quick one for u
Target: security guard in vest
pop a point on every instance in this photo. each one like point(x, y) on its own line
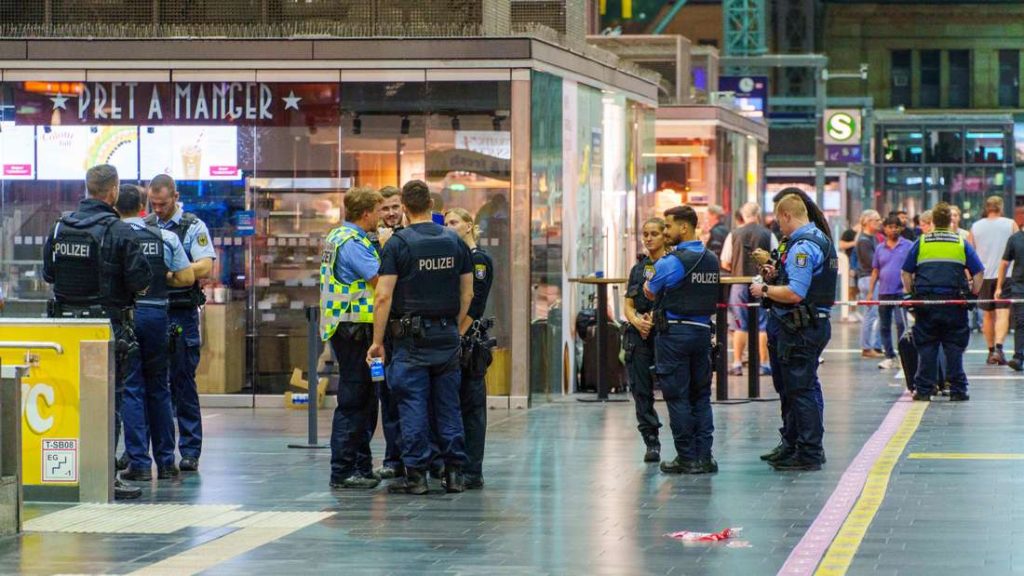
point(147, 410)
point(684, 289)
point(423, 295)
point(97, 268)
point(348, 274)
point(800, 298)
point(639, 337)
point(183, 308)
point(934, 270)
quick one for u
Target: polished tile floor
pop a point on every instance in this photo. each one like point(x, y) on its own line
point(567, 493)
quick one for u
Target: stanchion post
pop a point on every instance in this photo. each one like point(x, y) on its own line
point(313, 356)
point(602, 342)
point(753, 313)
point(721, 339)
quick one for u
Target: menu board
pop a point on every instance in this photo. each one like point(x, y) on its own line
point(189, 152)
point(66, 152)
point(17, 152)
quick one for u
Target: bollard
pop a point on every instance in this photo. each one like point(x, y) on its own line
point(721, 366)
point(753, 350)
point(313, 336)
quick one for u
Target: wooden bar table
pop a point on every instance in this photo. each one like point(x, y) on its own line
point(602, 335)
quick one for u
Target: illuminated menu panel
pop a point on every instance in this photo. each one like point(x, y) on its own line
point(189, 152)
point(17, 152)
point(66, 152)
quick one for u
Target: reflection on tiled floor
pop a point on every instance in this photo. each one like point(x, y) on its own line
point(567, 493)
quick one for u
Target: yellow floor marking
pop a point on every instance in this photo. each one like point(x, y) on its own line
point(843, 548)
point(963, 456)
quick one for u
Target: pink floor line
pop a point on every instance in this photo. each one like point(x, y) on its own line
point(804, 558)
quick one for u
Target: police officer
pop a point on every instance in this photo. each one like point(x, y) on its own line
point(390, 222)
point(96, 267)
point(934, 270)
point(183, 309)
point(147, 410)
point(348, 274)
point(476, 349)
point(639, 338)
point(684, 289)
point(423, 294)
point(800, 297)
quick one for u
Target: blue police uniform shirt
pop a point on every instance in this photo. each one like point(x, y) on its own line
point(355, 261)
point(198, 243)
point(804, 261)
point(174, 253)
point(670, 271)
point(974, 264)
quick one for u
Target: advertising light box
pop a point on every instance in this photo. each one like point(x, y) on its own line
point(66, 152)
point(189, 152)
point(17, 152)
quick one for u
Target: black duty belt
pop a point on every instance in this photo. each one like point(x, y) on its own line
point(415, 325)
point(115, 314)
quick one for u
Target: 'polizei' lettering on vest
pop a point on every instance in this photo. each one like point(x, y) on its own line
point(150, 249)
point(446, 263)
point(72, 250)
point(704, 277)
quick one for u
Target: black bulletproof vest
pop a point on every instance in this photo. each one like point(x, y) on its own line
point(189, 296)
point(697, 293)
point(822, 291)
point(81, 255)
point(428, 285)
point(151, 242)
point(641, 272)
point(745, 240)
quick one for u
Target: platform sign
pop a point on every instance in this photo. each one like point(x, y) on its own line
point(842, 127)
point(52, 419)
point(839, 154)
point(749, 92)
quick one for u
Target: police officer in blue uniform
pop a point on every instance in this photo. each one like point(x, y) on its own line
point(423, 294)
point(183, 309)
point(684, 289)
point(476, 349)
point(97, 269)
point(800, 297)
point(935, 270)
point(147, 410)
point(639, 338)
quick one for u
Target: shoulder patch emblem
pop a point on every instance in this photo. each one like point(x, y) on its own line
point(801, 260)
point(203, 240)
point(480, 271)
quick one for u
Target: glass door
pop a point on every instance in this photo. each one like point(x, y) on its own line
point(292, 216)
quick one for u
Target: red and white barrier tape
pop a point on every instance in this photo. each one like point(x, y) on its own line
point(901, 303)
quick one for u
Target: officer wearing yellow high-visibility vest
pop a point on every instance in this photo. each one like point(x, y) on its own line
point(348, 275)
point(934, 270)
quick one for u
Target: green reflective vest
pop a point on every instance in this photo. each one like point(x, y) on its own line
point(342, 302)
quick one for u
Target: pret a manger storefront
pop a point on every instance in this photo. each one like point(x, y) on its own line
point(265, 137)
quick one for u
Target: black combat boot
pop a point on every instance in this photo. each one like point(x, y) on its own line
point(453, 482)
point(414, 482)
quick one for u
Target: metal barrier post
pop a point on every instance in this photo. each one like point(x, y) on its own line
point(313, 336)
point(721, 339)
point(753, 351)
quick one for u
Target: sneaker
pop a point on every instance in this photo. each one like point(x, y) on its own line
point(1016, 365)
point(919, 397)
point(124, 491)
point(886, 364)
point(993, 358)
point(959, 397)
point(796, 464)
point(679, 466)
point(653, 454)
point(390, 472)
point(189, 464)
point(414, 482)
point(137, 474)
point(167, 472)
point(766, 370)
point(355, 482)
point(706, 466)
point(777, 453)
point(871, 354)
point(736, 370)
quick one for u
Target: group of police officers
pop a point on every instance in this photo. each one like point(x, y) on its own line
point(402, 290)
point(105, 261)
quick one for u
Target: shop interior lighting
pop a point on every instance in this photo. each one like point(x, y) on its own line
point(405, 126)
point(456, 123)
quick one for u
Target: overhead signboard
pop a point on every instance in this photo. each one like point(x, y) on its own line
point(843, 127)
point(750, 93)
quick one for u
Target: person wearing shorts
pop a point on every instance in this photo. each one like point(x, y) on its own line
point(989, 236)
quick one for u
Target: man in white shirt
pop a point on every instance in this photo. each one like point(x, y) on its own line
point(989, 236)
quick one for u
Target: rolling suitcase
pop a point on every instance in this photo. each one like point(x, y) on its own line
point(908, 360)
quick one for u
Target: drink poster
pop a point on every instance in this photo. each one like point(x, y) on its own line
point(66, 152)
point(189, 152)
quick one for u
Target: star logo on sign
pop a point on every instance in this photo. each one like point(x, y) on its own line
point(291, 101)
point(60, 101)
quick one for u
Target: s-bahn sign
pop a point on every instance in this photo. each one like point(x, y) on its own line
point(842, 127)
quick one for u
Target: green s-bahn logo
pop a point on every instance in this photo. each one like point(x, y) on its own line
point(841, 126)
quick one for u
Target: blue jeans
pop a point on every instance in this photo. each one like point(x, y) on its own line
point(355, 417)
point(945, 327)
point(146, 406)
point(869, 337)
point(184, 394)
point(683, 365)
point(794, 356)
point(424, 378)
point(886, 315)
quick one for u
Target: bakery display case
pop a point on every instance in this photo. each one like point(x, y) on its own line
point(292, 216)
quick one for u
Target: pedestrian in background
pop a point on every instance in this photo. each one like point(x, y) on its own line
point(989, 237)
point(885, 274)
point(870, 221)
point(1012, 256)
